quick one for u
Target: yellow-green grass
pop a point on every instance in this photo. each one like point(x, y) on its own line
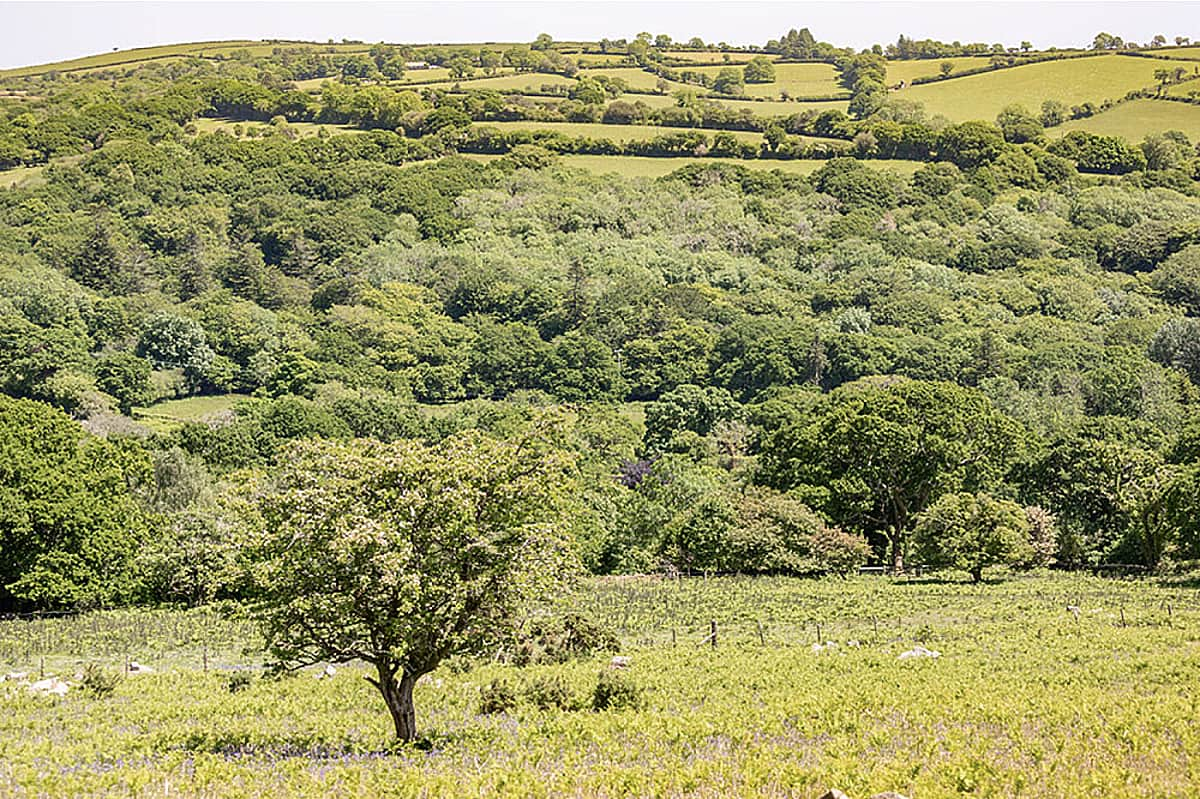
point(1027, 698)
point(23, 176)
point(1072, 81)
point(301, 129)
point(523, 81)
point(170, 414)
point(1180, 52)
point(639, 78)
point(1136, 119)
point(1186, 87)
point(907, 70)
point(588, 59)
point(645, 167)
point(774, 108)
point(652, 100)
point(712, 57)
point(596, 130)
point(798, 80)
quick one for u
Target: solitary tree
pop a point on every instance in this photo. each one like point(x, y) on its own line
point(403, 554)
point(973, 531)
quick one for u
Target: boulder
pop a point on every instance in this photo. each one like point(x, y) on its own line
point(619, 662)
point(919, 652)
point(51, 686)
point(138, 668)
point(888, 795)
point(834, 793)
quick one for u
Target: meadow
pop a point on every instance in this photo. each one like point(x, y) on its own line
point(798, 80)
point(599, 130)
point(1072, 81)
point(1137, 119)
point(1046, 686)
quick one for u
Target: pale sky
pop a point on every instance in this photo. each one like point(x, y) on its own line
point(39, 32)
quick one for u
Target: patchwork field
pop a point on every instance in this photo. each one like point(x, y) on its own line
point(613, 132)
point(640, 166)
point(1025, 698)
point(798, 80)
point(1072, 81)
point(715, 57)
point(1136, 119)
point(907, 70)
point(523, 81)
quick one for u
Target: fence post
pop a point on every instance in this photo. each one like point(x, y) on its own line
point(712, 626)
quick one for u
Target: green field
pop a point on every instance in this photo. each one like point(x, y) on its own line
point(169, 414)
point(301, 129)
point(641, 79)
point(798, 80)
point(645, 167)
point(524, 81)
point(1025, 699)
point(1192, 51)
point(1136, 119)
point(776, 108)
point(21, 176)
point(715, 57)
point(906, 70)
point(1072, 81)
point(613, 132)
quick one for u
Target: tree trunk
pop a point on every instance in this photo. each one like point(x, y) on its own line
point(977, 574)
point(398, 694)
point(897, 555)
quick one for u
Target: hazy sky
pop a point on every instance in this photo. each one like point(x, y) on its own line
point(50, 31)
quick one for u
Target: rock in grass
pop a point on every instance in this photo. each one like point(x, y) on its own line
point(919, 652)
point(834, 793)
point(888, 795)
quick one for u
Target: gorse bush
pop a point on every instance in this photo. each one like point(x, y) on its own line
point(615, 690)
point(550, 692)
point(98, 681)
point(498, 696)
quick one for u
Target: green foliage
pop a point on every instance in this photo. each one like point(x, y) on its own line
point(98, 681)
point(550, 692)
point(616, 691)
point(69, 526)
point(498, 696)
point(925, 439)
point(403, 554)
point(971, 532)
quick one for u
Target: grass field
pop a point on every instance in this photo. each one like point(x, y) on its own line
point(21, 176)
point(775, 108)
point(640, 79)
point(1027, 699)
point(524, 81)
point(798, 80)
point(1136, 119)
point(906, 70)
point(169, 414)
point(302, 129)
point(714, 57)
point(640, 166)
point(1188, 87)
point(1072, 81)
point(1180, 52)
point(612, 132)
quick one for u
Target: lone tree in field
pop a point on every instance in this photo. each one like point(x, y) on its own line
point(973, 531)
point(403, 554)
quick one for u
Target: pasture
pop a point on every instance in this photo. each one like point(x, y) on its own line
point(646, 167)
point(641, 79)
point(1073, 81)
point(798, 80)
point(908, 69)
point(1136, 119)
point(1045, 686)
point(517, 82)
point(600, 130)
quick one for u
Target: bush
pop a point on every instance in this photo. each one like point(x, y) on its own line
point(497, 696)
point(614, 691)
point(550, 693)
point(99, 681)
point(238, 681)
point(558, 640)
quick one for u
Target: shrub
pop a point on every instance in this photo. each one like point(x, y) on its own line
point(497, 696)
point(550, 693)
point(557, 640)
point(238, 681)
point(614, 691)
point(99, 681)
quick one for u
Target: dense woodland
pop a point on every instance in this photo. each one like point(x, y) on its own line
point(994, 361)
